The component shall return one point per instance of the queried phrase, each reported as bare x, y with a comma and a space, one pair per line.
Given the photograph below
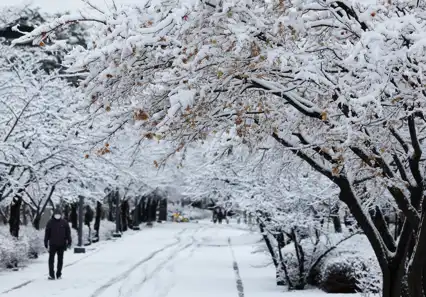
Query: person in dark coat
57, 239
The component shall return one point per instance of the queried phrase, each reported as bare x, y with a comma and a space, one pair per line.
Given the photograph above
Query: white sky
53, 6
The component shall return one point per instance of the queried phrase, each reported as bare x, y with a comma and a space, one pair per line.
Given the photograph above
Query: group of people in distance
220, 214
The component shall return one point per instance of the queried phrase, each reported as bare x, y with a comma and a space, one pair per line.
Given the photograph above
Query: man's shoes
51, 278
58, 276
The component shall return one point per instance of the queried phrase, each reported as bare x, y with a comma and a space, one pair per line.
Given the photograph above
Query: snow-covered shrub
338, 274
106, 229
351, 267
369, 280
35, 239
350, 273
12, 251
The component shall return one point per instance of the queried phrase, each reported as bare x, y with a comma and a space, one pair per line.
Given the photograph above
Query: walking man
57, 239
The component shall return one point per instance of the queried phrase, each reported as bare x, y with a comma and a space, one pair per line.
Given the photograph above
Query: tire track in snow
239, 281
126, 273
163, 264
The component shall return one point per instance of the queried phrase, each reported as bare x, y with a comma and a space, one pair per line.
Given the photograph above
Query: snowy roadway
169, 260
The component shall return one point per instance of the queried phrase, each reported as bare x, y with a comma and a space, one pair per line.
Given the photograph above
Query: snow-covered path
167, 260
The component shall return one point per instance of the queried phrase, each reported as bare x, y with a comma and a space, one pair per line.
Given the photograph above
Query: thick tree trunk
392, 282
417, 263
15, 212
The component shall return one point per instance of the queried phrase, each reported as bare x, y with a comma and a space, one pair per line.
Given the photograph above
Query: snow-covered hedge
30, 243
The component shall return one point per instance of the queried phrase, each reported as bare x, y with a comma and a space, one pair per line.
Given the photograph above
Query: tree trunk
278, 270
36, 221
300, 254
143, 210
15, 212
3, 216
162, 216
67, 212
282, 268
148, 210
399, 222
124, 215
74, 216
136, 213
336, 218
24, 215
153, 210
392, 282
111, 208
80, 220
97, 221
118, 227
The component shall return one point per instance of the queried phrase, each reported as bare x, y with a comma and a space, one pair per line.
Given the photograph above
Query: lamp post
79, 249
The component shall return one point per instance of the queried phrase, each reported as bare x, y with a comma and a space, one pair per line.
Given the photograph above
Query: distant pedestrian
57, 239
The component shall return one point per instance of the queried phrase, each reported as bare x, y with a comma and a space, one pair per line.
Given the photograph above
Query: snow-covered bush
349, 273
334, 265
351, 267
12, 251
106, 229
35, 239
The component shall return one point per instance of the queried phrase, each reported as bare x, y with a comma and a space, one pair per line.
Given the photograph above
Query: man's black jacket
58, 233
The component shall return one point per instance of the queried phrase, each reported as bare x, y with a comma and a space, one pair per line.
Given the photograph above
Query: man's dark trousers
56, 250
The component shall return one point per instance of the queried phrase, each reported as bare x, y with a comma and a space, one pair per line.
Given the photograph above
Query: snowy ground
175, 260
